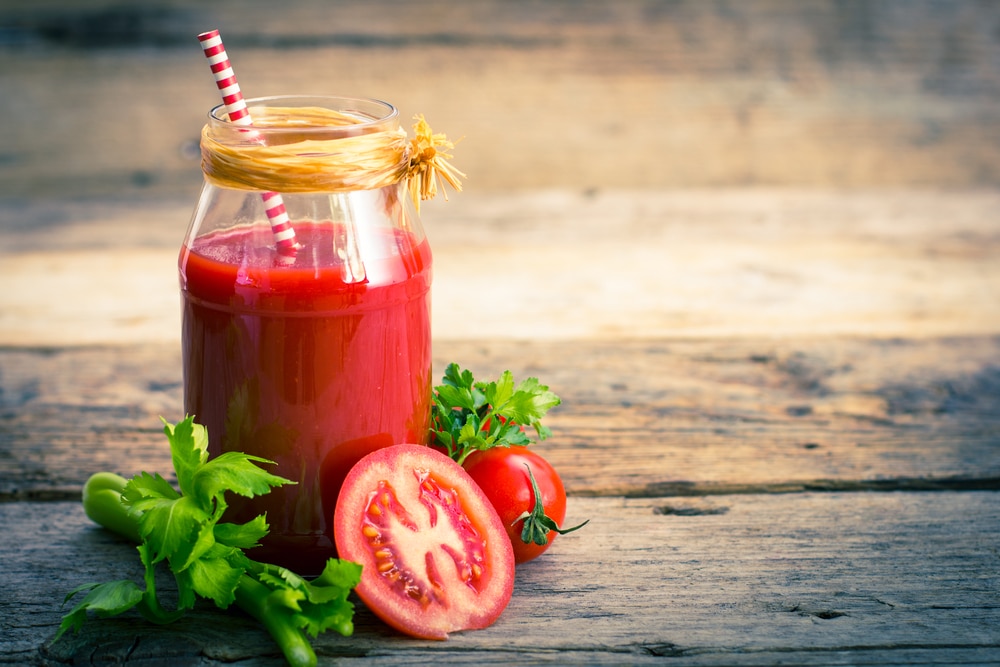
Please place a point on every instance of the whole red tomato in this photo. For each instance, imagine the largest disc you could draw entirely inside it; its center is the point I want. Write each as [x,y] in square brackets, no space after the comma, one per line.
[502,474]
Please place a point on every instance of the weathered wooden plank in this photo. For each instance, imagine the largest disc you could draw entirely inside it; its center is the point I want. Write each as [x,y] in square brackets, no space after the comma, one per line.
[563,94]
[805,578]
[731,416]
[565,264]
[639,418]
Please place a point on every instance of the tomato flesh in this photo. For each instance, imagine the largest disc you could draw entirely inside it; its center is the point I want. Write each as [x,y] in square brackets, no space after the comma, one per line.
[436,557]
[501,473]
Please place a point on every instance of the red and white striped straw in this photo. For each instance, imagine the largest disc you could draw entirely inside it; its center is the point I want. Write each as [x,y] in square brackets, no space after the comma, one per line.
[236,108]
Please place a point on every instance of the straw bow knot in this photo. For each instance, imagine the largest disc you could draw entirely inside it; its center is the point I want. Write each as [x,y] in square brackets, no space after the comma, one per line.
[429,163]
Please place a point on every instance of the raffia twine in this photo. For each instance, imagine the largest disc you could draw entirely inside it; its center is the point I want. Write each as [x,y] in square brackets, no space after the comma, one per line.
[239,159]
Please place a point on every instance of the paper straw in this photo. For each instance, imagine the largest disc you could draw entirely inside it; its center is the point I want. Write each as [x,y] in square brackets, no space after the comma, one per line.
[236,108]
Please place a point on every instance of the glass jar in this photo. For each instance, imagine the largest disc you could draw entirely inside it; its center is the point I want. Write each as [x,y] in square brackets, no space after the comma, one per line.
[312,353]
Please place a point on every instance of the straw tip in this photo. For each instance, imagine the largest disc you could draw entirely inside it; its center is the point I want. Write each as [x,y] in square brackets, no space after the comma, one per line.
[208,35]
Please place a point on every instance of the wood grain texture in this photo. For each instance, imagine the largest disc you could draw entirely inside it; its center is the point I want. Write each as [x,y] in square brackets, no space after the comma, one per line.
[634,93]
[753,245]
[745,580]
[639,418]
[565,264]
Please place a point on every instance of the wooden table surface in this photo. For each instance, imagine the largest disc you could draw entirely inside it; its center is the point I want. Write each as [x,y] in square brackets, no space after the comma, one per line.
[825,489]
[774,318]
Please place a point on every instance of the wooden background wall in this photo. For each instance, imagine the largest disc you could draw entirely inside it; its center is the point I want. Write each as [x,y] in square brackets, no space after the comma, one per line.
[102,98]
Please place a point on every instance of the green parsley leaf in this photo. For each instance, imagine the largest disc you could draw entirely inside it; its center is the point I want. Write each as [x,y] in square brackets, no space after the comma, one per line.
[468,416]
[498,392]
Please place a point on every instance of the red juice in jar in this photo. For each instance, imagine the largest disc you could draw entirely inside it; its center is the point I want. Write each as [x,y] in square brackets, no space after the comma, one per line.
[290,361]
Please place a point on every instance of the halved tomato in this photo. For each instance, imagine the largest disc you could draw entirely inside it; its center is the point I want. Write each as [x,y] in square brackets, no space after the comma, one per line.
[436,557]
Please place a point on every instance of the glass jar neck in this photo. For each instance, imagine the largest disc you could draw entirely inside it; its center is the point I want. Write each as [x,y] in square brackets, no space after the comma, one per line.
[306,144]
[285,119]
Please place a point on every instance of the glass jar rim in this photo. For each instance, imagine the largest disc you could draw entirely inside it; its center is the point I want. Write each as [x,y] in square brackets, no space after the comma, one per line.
[372,114]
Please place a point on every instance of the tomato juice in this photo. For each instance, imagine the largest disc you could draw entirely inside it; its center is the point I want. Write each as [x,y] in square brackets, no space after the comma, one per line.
[295,363]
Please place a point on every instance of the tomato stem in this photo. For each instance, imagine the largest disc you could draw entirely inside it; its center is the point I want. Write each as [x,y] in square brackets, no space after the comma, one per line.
[537,524]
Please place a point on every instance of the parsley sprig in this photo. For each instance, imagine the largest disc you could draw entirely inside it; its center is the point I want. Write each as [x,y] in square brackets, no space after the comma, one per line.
[468,416]
[206,556]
